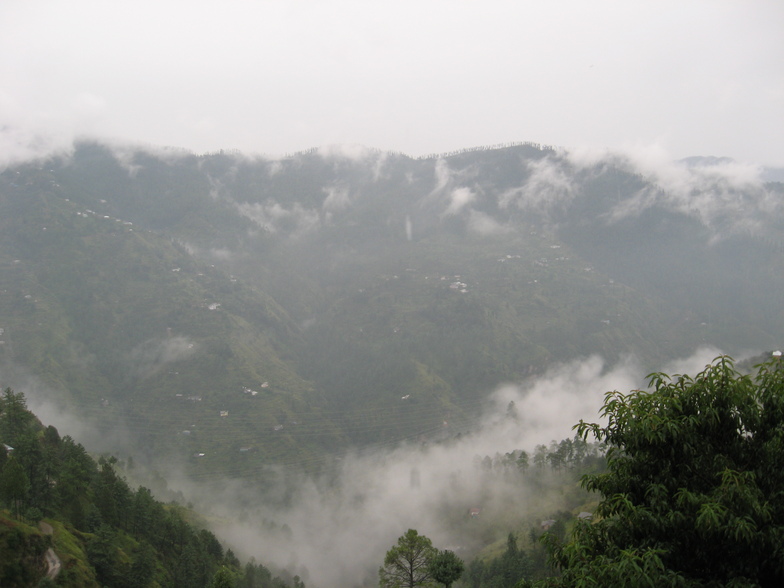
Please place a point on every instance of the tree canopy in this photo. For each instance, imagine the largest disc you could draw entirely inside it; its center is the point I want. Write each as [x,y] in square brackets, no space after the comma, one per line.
[693,494]
[128,538]
[407,564]
[446,568]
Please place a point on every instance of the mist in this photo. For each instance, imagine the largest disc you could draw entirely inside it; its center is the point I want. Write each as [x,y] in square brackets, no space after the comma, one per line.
[334,530]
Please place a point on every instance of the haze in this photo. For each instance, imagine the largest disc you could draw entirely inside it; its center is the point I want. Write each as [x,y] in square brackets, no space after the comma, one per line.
[696,78]
[333,531]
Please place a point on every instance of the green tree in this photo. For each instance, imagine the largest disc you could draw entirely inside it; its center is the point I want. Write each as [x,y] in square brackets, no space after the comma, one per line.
[103,556]
[407,564]
[500,572]
[446,568]
[15,419]
[73,486]
[143,568]
[693,491]
[14,485]
[223,578]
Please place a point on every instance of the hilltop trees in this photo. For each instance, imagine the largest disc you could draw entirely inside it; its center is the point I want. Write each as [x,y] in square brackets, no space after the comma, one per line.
[693,491]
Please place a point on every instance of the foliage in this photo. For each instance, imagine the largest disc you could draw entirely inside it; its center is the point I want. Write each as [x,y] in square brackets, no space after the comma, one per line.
[502,571]
[106,533]
[407,564]
[692,495]
[21,550]
[223,578]
[108,262]
[446,568]
[14,485]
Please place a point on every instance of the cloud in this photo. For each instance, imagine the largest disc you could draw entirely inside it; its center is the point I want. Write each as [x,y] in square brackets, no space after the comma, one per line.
[697,362]
[148,358]
[19,145]
[337,198]
[338,526]
[459,199]
[334,529]
[443,175]
[55,407]
[485,225]
[274,217]
[548,186]
[727,196]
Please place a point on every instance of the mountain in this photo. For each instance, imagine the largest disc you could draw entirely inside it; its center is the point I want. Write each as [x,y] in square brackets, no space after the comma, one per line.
[226,313]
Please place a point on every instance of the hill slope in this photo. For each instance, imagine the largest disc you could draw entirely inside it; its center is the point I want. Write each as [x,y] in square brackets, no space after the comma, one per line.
[234,312]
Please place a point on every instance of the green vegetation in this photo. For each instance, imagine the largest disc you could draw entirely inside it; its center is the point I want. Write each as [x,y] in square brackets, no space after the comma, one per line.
[692,494]
[415,562]
[505,570]
[304,298]
[446,568]
[103,532]
[241,317]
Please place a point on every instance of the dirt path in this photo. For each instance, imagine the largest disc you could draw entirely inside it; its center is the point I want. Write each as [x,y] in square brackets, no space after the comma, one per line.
[53,563]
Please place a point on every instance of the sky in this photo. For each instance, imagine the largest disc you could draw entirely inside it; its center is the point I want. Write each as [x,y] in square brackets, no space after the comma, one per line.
[694,77]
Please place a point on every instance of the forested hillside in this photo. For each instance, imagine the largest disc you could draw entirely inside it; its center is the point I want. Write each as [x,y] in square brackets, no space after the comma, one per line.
[228,313]
[67,520]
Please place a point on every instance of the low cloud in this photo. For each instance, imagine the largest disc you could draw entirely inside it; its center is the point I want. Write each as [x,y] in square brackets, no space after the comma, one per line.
[727,196]
[148,358]
[337,198]
[273,217]
[548,186]
[334,530]
[485,225]
[459,199]
[443,176]
[22,145]
[54,407]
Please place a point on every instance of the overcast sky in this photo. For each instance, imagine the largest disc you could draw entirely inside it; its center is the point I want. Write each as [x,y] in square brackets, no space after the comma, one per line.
[691,77]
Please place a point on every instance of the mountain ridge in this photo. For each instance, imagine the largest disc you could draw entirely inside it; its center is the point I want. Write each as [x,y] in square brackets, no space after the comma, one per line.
[379,297]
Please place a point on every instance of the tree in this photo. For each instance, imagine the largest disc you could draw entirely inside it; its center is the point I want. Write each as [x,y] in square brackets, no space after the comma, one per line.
[223,578]
[15,419]
[14,485]
[407,564]
[500,572]
[446,567]
[143,568]
[693,491]
[103,556]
